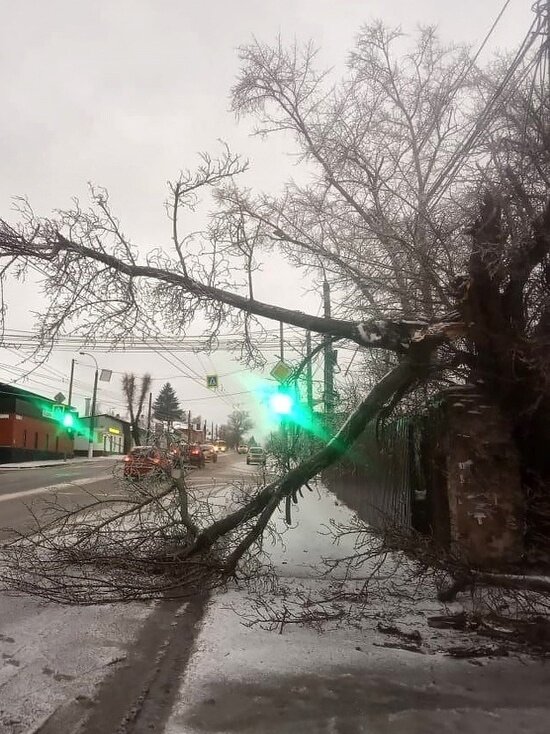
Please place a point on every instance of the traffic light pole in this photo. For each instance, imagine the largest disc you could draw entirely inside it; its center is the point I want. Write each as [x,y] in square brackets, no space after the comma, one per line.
[309,372]
[149,410]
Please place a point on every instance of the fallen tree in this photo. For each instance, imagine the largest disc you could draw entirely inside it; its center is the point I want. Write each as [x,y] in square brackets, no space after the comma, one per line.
[448,273]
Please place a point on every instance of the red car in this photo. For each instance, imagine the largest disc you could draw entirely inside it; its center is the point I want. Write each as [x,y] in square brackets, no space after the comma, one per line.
[145,461]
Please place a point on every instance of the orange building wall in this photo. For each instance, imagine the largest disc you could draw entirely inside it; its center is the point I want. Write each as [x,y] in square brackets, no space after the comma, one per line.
[12,433]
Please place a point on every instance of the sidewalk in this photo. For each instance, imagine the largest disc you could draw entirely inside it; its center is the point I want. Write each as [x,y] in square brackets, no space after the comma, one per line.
[60,462]
[352,678]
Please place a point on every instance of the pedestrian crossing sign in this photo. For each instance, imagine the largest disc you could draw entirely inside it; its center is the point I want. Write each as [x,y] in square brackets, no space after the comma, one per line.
[211,381]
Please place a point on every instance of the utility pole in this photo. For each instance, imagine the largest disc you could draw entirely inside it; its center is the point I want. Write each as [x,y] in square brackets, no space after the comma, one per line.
[149,410]
[71,379]
[328,377]
[309,372]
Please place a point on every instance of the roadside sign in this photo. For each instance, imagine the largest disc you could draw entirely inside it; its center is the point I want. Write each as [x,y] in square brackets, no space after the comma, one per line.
[105,375]
[59,398]
[281,371]
[211,382]
[47,413]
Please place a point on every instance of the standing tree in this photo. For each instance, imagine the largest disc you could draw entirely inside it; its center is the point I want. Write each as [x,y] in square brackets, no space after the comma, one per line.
[135,400]
[166,406]
[238,423]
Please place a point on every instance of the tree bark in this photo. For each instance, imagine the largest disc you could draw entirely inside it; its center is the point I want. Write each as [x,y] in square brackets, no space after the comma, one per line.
[394,335]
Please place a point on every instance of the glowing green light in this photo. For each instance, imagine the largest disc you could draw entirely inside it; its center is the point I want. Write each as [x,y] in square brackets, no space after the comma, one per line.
[281,403]
[68,420]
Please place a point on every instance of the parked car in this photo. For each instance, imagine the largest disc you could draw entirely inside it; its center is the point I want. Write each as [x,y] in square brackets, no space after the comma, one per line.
[145,461]
[256,455]
[242,449]
[210,453]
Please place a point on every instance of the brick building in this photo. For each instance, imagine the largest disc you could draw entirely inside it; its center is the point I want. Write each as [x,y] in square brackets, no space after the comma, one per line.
[27,432]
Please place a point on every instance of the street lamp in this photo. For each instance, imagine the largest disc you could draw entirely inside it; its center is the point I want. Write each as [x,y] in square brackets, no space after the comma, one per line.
[92,415]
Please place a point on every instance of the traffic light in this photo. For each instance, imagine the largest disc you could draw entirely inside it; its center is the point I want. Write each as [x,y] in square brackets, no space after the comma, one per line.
[68,420]
[66,417]
[281,403]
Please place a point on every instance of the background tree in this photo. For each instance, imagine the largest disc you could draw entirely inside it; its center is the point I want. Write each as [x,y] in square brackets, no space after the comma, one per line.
[135,400]
[166,406]
[238,423]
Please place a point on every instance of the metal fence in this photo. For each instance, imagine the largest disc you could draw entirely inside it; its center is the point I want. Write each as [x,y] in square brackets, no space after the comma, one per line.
[381,477]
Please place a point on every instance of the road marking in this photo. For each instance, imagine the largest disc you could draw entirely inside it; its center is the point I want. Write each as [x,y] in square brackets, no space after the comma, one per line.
[54,487]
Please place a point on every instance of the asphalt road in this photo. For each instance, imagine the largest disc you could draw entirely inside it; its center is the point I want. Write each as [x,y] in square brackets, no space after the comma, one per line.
[136,696]
[23,490]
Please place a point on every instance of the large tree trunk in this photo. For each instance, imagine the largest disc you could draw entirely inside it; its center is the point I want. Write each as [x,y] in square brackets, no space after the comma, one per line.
[510,358]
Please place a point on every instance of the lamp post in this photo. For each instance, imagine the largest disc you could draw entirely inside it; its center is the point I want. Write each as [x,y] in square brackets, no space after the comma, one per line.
[92,412]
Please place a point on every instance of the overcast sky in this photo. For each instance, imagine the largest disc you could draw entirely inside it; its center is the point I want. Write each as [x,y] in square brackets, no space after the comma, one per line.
[123,93]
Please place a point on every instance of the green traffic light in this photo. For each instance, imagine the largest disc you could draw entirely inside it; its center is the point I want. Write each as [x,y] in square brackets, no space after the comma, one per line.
[68,420]
[281,403]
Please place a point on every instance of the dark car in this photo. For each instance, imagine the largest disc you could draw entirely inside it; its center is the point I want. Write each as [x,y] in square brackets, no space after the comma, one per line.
[184,454]
[256,455]
[146,461]
[195,456]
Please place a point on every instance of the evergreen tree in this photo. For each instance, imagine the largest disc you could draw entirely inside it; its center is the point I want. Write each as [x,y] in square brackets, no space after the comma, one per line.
[166,406]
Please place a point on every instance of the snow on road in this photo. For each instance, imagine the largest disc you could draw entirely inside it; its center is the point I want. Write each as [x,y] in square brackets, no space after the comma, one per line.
[247,679]
[52,654]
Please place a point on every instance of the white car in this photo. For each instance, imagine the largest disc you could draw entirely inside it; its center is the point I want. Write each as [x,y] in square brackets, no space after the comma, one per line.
[209,451]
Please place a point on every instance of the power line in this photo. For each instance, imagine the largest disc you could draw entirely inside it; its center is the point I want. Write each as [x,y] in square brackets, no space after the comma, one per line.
[458,158]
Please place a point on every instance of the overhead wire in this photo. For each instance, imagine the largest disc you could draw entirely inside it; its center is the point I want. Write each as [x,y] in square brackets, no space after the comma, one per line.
[457,160]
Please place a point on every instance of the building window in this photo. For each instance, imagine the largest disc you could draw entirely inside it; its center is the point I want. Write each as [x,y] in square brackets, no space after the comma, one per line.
[25,438]
[36,440]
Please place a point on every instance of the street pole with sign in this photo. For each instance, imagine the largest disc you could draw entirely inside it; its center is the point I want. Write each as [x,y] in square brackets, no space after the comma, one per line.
[92,418]
[104,377]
